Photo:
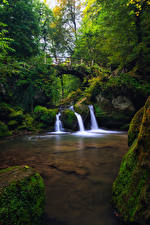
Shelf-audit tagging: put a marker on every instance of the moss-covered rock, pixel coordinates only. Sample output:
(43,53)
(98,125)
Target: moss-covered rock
(135,126)
(69,119)
(15,120)
(4,131)
(17,115)
(12,124)
(131,189)
(29,122)
(44,117)
(22,196)
(112,119)
(5,111)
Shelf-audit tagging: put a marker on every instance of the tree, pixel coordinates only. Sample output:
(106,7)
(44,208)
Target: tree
(46,19)
(116,33)
(67,16)
(4,41)
(22,21)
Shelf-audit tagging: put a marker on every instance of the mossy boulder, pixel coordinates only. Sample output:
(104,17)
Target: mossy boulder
(5,111)
(45,118)
(29,122)
(135,126)
(131,189)
(111,119)
(22,196)
(13,124)
(69,120)
(17,115)
(15,120)
(4,131)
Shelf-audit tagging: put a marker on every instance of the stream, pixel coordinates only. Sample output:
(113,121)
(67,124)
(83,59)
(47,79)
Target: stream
(78,172)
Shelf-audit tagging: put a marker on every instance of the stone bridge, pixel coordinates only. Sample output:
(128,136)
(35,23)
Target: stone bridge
(79,71)
(74,66)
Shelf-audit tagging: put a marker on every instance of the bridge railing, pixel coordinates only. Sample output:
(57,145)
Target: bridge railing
(68,61)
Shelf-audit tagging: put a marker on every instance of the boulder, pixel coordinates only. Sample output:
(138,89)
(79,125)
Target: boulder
(123,103)
(22,196)
(135,126)
(116,111)
(44,118)
(131,189)
(69,120)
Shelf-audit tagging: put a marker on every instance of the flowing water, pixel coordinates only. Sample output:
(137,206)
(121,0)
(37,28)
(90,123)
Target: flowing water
(58,124)
(80,122)
(78,172)
(94,124)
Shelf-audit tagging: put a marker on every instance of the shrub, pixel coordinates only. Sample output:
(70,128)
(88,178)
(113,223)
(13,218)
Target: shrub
(46,117)
(4,131)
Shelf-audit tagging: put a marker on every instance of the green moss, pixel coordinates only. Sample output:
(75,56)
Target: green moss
(112,120)
(8,169)
(81,107)
(17,115)
(121,85)
(12,124)
(22,199)
(29,122)
(73,97)
(135,126)
(131,189)
(69,119)
(45,117)
(5,110)
(4,131)
(128,187)
(40,109)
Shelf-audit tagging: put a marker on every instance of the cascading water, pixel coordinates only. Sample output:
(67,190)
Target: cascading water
(58,124)
(79,118)
(94,125)
(80,122)
(71,108)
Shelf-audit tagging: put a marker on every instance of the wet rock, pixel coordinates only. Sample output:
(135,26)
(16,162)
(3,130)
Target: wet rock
(114,111)
(131,189)
(22,196)
(134,127)
(123,103)
(69,119)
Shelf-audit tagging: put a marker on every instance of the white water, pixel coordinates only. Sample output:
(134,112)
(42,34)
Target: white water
(94,124)
(71,108)
(80,122)
(58,124)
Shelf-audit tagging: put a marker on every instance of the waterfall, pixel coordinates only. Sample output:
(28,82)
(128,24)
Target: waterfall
(80,122)
(94,125)
(71,108)
(58,124)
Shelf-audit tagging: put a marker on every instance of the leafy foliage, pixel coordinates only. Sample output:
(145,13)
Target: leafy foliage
(116,34)
(22,21)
